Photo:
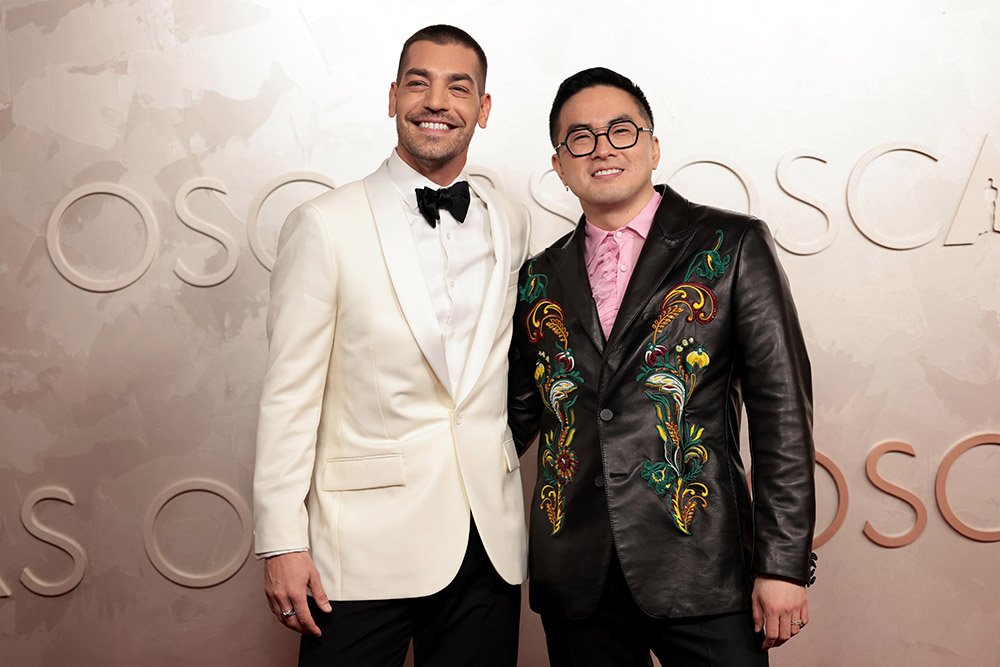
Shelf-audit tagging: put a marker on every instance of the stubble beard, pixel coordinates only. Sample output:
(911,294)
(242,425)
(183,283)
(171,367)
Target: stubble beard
(431,152)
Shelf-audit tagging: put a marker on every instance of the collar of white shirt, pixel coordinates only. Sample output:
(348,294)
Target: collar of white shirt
(407,180)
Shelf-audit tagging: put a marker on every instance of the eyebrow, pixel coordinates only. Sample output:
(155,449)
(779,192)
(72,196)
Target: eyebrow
(584,126)
(452,77)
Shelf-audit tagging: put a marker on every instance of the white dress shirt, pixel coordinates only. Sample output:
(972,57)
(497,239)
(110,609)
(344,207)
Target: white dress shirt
(457,260)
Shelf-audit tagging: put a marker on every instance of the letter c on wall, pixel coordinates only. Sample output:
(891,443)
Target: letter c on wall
(187,579)
(253,233)
(941,491)
(908,243)
(95,284)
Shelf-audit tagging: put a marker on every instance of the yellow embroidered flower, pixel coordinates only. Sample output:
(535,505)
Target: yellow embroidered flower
(539,372)
(697,358)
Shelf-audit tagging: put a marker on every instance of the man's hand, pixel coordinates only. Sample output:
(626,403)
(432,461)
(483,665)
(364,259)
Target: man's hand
(286,578)
(780,609)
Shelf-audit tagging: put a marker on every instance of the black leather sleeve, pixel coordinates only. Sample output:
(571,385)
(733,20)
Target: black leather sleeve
(777,390)
(524,405)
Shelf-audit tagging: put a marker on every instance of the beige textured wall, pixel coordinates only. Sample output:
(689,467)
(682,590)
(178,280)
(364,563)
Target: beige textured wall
(131,346)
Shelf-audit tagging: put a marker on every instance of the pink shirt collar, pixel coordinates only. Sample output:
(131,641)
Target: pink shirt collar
(640,224)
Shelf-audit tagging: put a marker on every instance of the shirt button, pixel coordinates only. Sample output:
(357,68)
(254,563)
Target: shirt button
(606,415)
(451,283)
(448,236)
(599,481)
(623,267)
(458,419)
(618,234)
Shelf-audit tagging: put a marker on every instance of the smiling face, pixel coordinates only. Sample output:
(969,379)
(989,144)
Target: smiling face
(611,183)
(437,104)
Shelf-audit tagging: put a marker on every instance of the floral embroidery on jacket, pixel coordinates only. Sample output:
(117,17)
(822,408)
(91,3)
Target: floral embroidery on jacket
(670,375)
(558,381)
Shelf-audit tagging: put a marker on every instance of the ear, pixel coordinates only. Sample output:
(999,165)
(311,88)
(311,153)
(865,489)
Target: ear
(485,104)
(557,167)
(656,152)
(392,99)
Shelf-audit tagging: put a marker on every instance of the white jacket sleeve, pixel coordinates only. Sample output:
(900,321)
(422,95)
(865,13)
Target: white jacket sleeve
(301,320)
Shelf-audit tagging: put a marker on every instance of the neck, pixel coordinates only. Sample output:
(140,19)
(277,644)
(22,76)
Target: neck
(613,216)
(441,173)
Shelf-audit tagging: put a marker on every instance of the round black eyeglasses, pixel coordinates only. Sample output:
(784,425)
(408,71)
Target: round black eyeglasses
(622,134)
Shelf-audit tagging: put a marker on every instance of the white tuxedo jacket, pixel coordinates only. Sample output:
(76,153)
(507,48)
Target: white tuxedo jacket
(364,456)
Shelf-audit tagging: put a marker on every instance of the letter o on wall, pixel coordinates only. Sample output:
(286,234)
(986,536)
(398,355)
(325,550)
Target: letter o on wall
(941,491)
(827,463)
(171,572)
(95,284)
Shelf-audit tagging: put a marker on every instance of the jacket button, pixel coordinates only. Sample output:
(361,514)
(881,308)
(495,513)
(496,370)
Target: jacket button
(606,415)
(599,481)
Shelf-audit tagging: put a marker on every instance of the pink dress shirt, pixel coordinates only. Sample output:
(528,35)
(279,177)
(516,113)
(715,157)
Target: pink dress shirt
(610,258)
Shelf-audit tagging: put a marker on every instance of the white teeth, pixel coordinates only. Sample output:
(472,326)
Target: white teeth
(434,126)
(606,172)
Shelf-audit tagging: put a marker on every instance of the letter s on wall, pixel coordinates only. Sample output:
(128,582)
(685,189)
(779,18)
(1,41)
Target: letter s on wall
(56,539)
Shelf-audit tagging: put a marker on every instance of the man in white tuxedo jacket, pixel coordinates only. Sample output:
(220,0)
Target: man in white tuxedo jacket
(386,480)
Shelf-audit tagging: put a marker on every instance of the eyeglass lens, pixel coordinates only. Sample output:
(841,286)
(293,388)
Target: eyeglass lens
(583,141)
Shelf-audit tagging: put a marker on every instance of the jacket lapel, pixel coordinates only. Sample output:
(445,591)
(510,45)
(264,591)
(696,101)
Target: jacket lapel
(492,307)
(403,265)
(668,240)
(570,268)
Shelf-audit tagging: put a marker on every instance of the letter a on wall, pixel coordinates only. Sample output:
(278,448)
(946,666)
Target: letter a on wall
(978,210)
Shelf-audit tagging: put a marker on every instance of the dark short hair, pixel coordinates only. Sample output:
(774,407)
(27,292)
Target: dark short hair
(590,78)
(441,35)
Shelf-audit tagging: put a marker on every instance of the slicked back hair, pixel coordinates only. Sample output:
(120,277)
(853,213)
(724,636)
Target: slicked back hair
(590,78)
(441,35)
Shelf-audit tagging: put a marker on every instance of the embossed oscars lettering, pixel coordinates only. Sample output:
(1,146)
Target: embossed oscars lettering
(221,491)
(871,470)
(971,221)
(78,278)
(781,235)
(827,464)
(191,221)
(67,544)
(172,572)
(914,240)
(753,204)
(976,215)
(941,491)
(265,257)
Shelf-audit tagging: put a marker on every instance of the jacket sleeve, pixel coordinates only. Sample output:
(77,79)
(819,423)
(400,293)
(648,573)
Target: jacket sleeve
(301,319)
(777,390)
(524,404)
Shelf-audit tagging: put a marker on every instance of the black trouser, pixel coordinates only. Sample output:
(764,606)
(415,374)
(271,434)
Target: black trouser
(472,622)
(619,633)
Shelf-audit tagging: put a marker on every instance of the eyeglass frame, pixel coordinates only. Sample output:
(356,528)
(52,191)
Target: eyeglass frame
(605,134)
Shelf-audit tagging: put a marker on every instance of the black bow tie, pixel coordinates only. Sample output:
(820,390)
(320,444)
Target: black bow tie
(455,200)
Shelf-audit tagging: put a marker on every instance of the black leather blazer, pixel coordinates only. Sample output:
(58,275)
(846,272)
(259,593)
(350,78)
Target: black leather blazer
(639,434)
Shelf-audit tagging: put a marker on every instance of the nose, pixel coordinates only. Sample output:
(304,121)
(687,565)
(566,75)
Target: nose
(437,97)
(605,148)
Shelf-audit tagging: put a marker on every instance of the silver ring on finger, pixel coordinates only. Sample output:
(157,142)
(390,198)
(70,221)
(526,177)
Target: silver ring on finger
(799,623)
(288,613)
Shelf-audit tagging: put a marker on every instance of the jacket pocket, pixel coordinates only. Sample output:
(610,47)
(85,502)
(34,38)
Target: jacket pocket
(510,455)
(363,472)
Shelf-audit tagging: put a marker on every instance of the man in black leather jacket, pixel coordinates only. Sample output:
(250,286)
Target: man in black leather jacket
(637,340)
